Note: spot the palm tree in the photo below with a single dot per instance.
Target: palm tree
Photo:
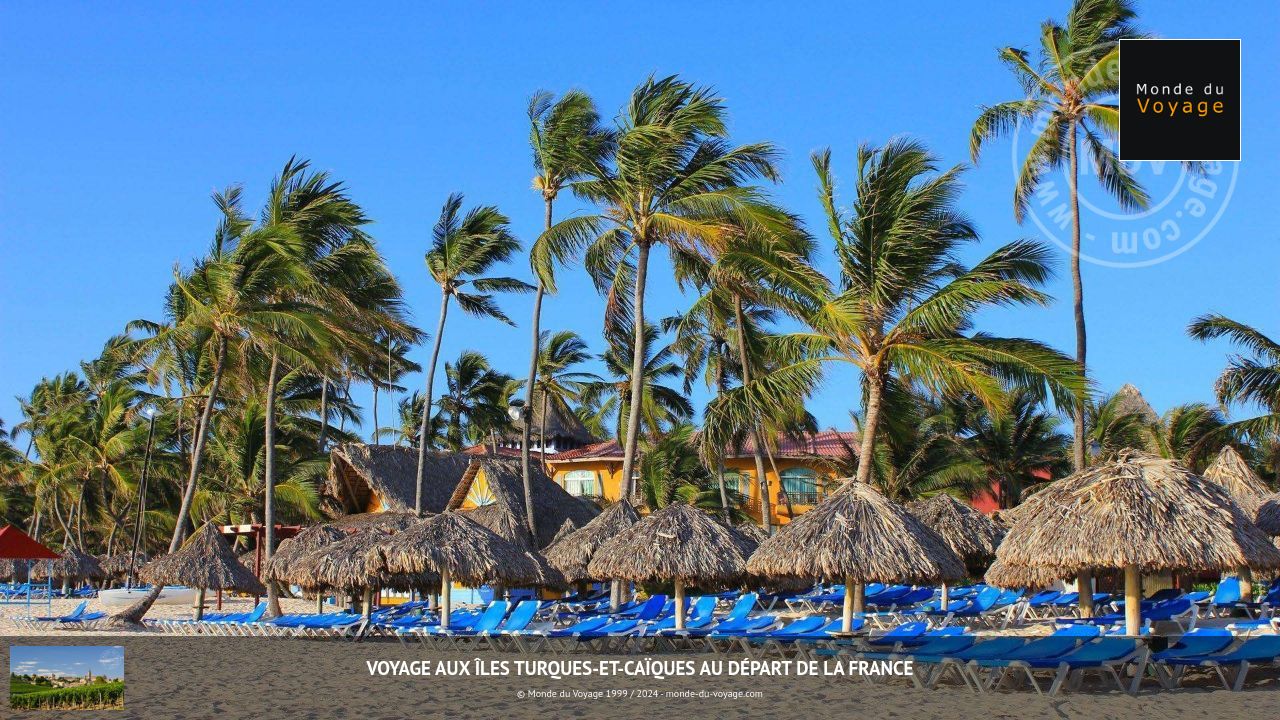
(1253, 377)
(475, 404)
(568, 141)
(903, 300)
(1191, 432)
(1018, 443)
(1112, 425)
(559, 385)
(675, 182)
(919, 457)
(1078, 71)
(609, 401)
(463, 248)
(385, 371)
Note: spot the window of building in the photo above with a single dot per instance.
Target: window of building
(737, 482)
(581, 483)
(801, 485)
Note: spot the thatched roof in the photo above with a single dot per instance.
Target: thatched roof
(970, 534)
(1234, 474)
(389, 521)
(1135, 510)
(117, 566)
(1004, 575)
(1268, 517)
(678, 542)
(858, 534)
(204, 561)
(570, 555)
(1129, 401)
(291, 550)
(567, 528)
(358, 472)
(472, 553)
(13, 570)
(344, 565)
(560, 423)
(72, 563)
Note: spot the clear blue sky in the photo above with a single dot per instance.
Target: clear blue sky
(115, 126)
(67, 660)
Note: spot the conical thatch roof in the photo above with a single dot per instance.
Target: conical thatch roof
(567, 528)
(205, 561)
(290, 551)
(1129, 401)
(1004, 575)
(344, 565)
(389, 521)
(1234, 474)
(570, 555)
(117, 566)
(501, 520)
(472, 553)
(1135, 510)
(678, 542)
(859, 535)
(13, 570)
(73, 563)
(1268, 517)
(560, 422)
(970, 534)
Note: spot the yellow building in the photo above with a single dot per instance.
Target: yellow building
(804, 469)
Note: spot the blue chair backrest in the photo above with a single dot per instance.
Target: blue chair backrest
(1050, 646)
(743, 606)
(805, 624)
(1069, 598)
(868, 589)
(522, 615)
(587, 625)
(79, 610)
(492, 616)
(1263, 647)
(1077, 631)
(996, 647)
(1106, 649)
(834, 626)
(1044, 596)
(652, 608)
(905, 630)
(1168, 609)
(1203, 641)
(986, 598)
(1228, 591)
(258, 611)
(1165, 594)
(703, 607)
(918, 595)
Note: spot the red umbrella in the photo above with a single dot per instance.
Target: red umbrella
(17, 545)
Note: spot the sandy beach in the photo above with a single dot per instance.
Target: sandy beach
(189, 678)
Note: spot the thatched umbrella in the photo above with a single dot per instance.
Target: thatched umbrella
(117, 566)
(344, 566)
(970, 534)
(72, 564)
(205, 562)
(391, 521)
(571, 554)
(1234, 474)
(861, 536)
(1268, 518)
(13, 570)
(1137, 513)
(678, 543)
(567, 528)
(291, 550)
(458, 549)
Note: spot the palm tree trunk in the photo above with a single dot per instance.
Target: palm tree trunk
(526, 432)
(426, 404)
(133, 614)
(872, 416)
(744, 361)
(269, 483)
(324, 411)
(637, 373)
(375, 414)
(782, 490)
(1077, 287)
(724, 493)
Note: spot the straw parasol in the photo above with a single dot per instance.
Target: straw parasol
(567, 528)
(861, 536)
(1268, 518)
(13, 570)
(117, 566)
(1138, 513)
(72, 564)
(571, 554)
(457, 548)
(970, 534)
(205, 562)
(344, 566)
(678, 543)
(1231, 471)
(291, 550)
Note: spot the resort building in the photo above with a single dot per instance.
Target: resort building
(798, 475)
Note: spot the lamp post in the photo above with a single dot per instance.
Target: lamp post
(150, 413)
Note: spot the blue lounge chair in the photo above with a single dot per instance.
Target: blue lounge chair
(531, 640)
(1103, 655)
(1254, 651)
(935, 666)
(1180, 611)
(1201, 641)
(800, 643)
(1225, 596)
(1059, 643)
(492, 616)
(518, 621)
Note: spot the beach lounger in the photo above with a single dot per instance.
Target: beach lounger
(1180, 611)
(488, 620)
(534, 639)
(931, 667)
(1264, 649)
(1225, 596)
(1105, 655)
(518, 621)
(1059, 643)
(1199, 642)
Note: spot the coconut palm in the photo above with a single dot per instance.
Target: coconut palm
(1018, 443)
(1112, 424)
(903, 300)
(1192, 433)
(1068, 91)
(384, 372)
(1252, 377)
(608, 401)
(474, 406)
(568, 141)
(464, 247)
(558, 384)
(674, 183)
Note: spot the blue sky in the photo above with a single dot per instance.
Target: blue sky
(67, 660)
(115, 127)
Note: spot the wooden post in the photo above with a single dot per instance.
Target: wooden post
(679, 605)
(946, 597)
(219, 598)
(1246, 584)
(859, 596)
(1132, 601)
(445, 586)
(615, 595)
(319, 603)
(847, 624)
(1084, 585)
(368, 602)
(200, 605)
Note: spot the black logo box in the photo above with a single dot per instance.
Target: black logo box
(1157, 80)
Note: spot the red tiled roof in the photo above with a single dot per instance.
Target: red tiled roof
(828, 443)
